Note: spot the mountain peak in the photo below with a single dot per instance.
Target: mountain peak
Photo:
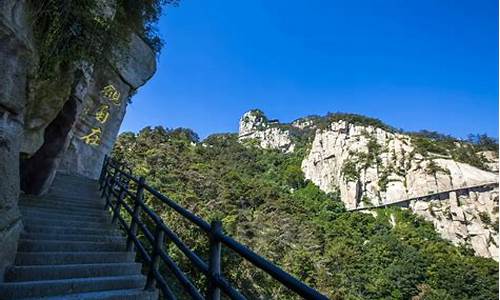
(372, 164)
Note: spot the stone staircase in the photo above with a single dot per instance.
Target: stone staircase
(70, 250)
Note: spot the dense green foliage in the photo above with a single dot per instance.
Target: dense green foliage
(264, 202)
(432, 143)
(68, 31)
(353, 119)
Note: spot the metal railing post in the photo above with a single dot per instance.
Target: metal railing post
(107, 192)
(105, 183)
(155, 258)
(116, 209)
(214, 264)
(103, 171)
(139, 198)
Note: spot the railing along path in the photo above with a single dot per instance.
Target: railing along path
(124, 195)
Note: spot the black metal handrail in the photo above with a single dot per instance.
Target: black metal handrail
(115, 184)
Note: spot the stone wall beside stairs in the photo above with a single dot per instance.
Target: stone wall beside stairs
(16, 51)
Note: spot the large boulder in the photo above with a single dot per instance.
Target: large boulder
(103, 108)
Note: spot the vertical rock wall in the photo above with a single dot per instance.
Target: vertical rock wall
(16, 58)
(467, 217)
(103, 108)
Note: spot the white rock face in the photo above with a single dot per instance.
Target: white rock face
(465, 218)
(371, 166)
(491, 160)
(254, 125)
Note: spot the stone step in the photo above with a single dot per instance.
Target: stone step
(87, 197)
(80, 197)
(73, 237)
(64, 203)
(28, 213)
(70, 250)
(43, 288)
(61, 177)
(83, 186)
(66, 246)
(67, 223)
(73, 192)
(63, 208)
(70, 188)
(68, 213)
(68, 230)
(55, 272)
(129, 294)
(65, 258)
(95, 195)
(73, 179)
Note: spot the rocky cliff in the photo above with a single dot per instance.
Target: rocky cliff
(67, 121)
(370, 164)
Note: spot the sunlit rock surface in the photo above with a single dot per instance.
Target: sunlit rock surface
(371, 166)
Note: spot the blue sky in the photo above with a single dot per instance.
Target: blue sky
(428, 64)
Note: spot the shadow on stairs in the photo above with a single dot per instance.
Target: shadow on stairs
(70, 250)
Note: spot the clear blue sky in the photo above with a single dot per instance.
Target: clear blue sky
(427, 64)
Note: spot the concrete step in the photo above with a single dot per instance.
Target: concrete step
(27, 213)
(87, 198)
(92, 201)
(73, 237)
(76, 183)
(67, 223)
(63, 207)
(66, 186)
(69, 230)
(68, 213)
(64, 203)
(67, 246)
(84, 187)
(65, 258)
(55, 272)
(61, 177)
(129, 294)
(43, 288)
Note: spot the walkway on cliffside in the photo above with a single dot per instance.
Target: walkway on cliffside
(70, 250)
(405, 202)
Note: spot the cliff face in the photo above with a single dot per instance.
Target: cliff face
(67, 123)
(371, 166)
(102, 108)
(16, 50)
(254, 125)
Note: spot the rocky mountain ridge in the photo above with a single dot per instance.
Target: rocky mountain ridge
(370, 164)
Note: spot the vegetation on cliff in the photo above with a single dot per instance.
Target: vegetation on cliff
(264, 202)
(68, 31)
(427, 143)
